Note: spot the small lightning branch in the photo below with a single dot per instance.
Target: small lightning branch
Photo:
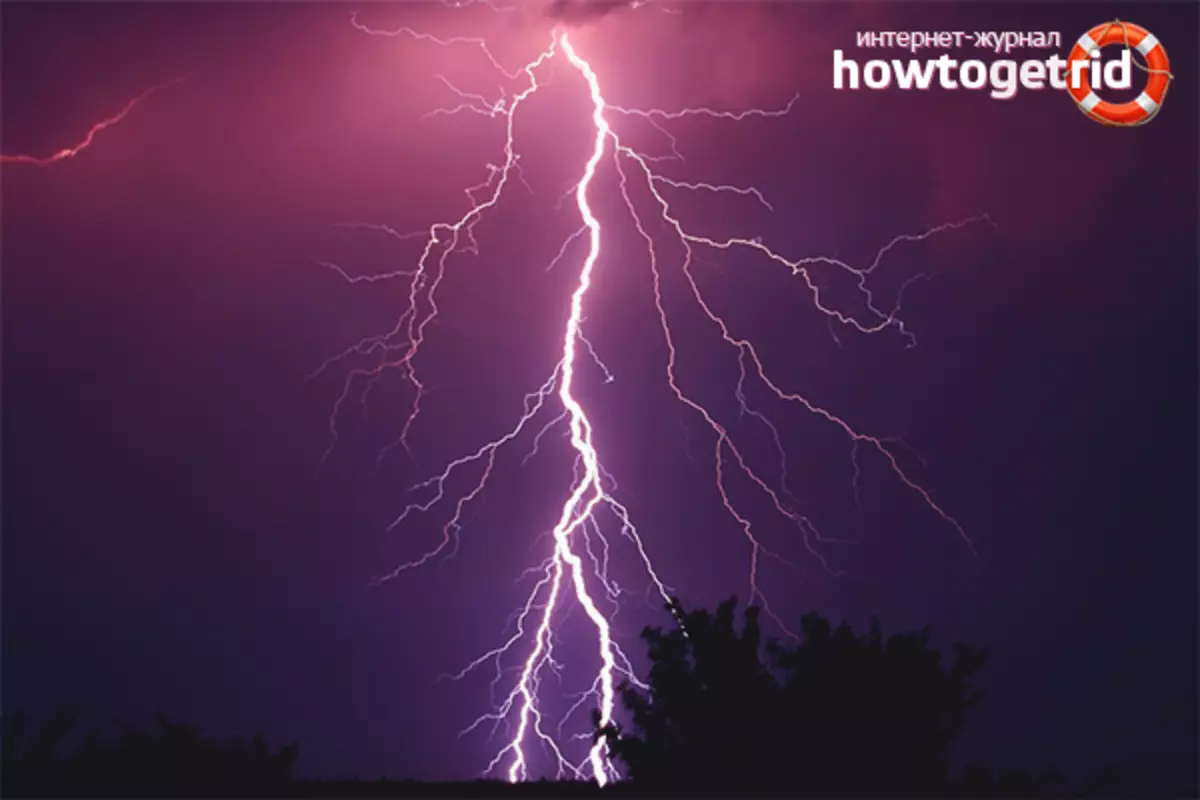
(67, 153)
(591, 522)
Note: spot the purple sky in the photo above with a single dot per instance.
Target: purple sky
(173, 540)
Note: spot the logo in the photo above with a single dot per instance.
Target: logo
(1083, 75)
(1142, 108)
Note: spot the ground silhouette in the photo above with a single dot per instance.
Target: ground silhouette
(725, 713)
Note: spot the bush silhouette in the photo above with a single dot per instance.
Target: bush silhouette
(835, 714)
(169, 759)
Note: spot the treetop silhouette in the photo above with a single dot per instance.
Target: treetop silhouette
(725, 712)
(171, 759)
(834, 714)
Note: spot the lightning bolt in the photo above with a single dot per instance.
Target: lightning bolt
(577, 568)
(67, 153)
(581, 540)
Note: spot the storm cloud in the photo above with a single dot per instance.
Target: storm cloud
(580, 12)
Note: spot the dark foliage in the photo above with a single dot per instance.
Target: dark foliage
(836, 714)
(170, 759)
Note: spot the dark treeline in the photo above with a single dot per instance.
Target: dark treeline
(726, 713)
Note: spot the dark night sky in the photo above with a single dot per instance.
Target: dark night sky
(173, 540)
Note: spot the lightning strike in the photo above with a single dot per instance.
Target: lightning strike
(576, 571)
(71, 152)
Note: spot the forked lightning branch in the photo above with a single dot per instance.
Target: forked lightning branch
(1002, 78)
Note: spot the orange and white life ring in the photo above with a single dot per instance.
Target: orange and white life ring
(1141, 109)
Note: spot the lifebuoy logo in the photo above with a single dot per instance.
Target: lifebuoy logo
(1083, 74)
(1157, 67)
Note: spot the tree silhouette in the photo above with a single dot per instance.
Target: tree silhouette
(171, 759)
(836, 714)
